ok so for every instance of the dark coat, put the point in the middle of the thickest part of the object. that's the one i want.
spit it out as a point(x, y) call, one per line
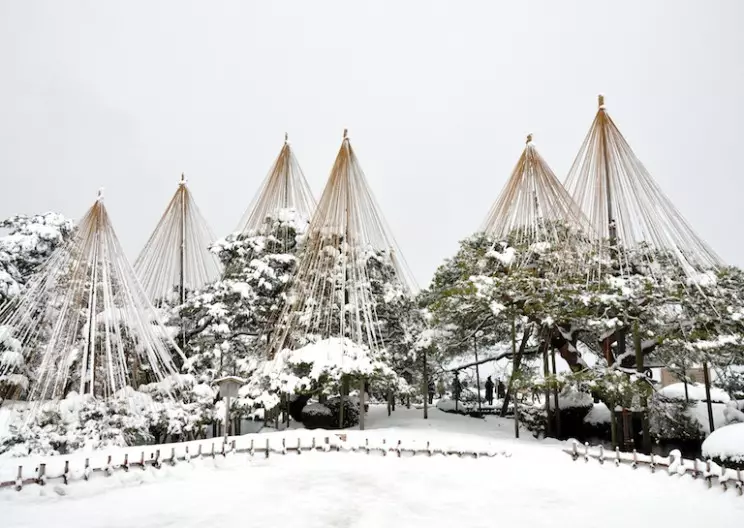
point(489, 390)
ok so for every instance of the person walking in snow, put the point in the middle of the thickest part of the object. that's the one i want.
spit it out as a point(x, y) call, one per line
point(501, 390)
point(431, 389)
point(456, 387)
point(489, 390)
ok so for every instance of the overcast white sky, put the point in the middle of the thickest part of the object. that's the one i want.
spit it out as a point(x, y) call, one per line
point(438, 97)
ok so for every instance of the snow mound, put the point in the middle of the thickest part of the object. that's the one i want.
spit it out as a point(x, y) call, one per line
point(600, 414)
point(695, 391)
point(726, 443)
point(571, 398)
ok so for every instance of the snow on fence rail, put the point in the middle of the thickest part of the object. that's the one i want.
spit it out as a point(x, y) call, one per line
point(68, 468)
point(674, 464)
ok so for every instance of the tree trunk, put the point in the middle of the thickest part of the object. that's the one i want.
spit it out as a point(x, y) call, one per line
point(477, 374)
point(557, 410)
point(361, 404)
point(517, 361)
point(644, 402)
point(344, 383)
point(546, 372)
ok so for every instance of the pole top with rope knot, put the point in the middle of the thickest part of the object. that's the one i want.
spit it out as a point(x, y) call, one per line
point(600, 101)
point(100, 195)
point(286, 137)
point(529, 138)
point(183, 179)
point(346, 133)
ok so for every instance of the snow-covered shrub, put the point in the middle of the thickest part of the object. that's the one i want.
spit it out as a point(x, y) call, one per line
point(695, 392)
point(326, 415)
point(76, 423)
point(726, 446)
point(597, 421)
point(318, 416)
point(672, 419)
point(180, 408)
point(533, 418)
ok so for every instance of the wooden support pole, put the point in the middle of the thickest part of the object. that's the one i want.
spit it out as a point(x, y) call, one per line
point(706, 378)
point(361, 404)
point(516, 366)
point(477, 373)
point(426, 387)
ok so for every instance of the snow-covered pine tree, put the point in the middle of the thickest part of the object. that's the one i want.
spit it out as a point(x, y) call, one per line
point(28, 242)
point(229, 322)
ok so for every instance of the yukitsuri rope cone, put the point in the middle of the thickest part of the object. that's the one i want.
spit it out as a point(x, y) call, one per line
point(626, 207)
point(331, 294)
point(284, 191)
point(533, 204)
point(84, 324)
point(534, 212)
point(176, 259)
point(638, 231)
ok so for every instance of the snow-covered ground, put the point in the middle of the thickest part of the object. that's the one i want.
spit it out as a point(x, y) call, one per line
point(538, 485)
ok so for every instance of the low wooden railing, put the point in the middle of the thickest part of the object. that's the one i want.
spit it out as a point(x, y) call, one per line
point(673, 464)
point(124, 459)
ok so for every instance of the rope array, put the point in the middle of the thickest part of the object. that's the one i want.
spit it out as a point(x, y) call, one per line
point(84, 322)
point(332, 290)
point(284, 188)
point(625, 205)
point(533, 203)
point(176, 259)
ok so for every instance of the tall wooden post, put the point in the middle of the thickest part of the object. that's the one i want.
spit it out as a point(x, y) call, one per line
point(515, 366)
point(426, 386)
point(361, 403)
point(227, 416)
point(477, 373)
point(706, 378)
point(612, 232)
point(182, 255)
